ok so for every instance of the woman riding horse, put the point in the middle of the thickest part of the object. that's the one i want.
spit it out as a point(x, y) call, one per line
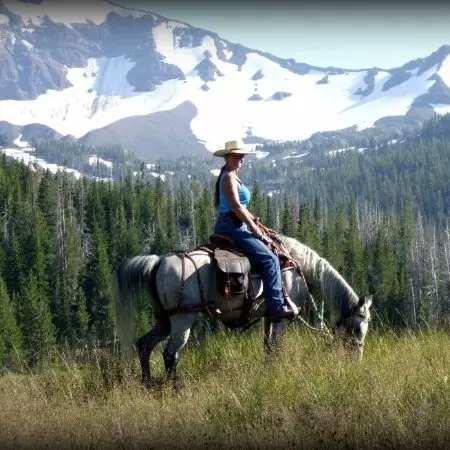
point(164, 277)
point(235, 221)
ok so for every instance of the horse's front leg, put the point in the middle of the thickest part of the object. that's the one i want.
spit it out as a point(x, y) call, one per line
point(273, 336)
point(267, 331)
point(145, 346)
point(180, 329)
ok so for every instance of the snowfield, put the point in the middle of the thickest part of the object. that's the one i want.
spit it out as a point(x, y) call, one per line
point(27, 158)
point(232, 105)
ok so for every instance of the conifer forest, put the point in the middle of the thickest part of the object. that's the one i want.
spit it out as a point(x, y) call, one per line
point(380, 217)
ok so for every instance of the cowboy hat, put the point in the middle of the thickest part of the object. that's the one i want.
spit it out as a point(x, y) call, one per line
point(232, 148)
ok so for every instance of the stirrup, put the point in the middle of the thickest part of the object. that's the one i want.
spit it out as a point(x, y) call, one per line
point(287, 313)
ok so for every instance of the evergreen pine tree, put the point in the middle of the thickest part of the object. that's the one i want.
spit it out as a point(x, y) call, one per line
point(288, 220)
point(10, 335)
point(98, 289)
point(272, 213)
point(354, 254)
point(35, 321)
point(257, 203)
point(205, 216)
point(307, 231)
point(385, 274)
point(403, 259)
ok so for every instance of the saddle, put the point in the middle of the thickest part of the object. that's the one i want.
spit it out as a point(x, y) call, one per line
point(229, 249)
point(234, 273)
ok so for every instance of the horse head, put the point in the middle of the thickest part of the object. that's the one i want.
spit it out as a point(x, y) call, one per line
point(354, 325)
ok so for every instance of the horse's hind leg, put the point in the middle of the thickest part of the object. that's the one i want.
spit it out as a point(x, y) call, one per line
point(147, 343)
point(180, 328)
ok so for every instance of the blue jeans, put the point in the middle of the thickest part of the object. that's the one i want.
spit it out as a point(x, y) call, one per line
point(260, 256)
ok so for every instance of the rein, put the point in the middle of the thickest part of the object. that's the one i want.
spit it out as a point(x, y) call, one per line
point(277, 246)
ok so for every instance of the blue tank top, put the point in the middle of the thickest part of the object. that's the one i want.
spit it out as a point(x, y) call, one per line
point(243, 192)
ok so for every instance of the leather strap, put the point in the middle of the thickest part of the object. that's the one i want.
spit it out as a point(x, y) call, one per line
point(183, 256)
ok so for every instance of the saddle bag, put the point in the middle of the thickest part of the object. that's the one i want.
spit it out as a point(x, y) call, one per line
point(232, 272)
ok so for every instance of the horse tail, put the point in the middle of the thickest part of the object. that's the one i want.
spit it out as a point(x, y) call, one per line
point(130, 277)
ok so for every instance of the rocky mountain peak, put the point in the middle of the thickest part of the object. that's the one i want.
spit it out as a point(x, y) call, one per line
point(89, 72)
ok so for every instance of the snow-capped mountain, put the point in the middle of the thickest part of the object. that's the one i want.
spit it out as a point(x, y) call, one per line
point(105, 74)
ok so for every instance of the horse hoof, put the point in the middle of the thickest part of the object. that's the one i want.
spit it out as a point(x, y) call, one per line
point(147, 385)
point(177, 384)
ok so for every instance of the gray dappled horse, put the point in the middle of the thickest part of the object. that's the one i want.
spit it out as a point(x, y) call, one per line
point(162, 277)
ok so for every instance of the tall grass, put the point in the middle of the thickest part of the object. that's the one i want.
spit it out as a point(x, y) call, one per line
point(312, 395)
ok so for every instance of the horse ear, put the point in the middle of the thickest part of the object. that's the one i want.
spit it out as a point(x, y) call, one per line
point(367, 300)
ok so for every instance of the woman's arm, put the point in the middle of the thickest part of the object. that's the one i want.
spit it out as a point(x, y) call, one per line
point(230, 187)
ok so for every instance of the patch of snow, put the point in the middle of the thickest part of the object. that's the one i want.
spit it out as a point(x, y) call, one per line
point(228, 53)
point(160, 175)
point(296, 156)
point(215, 172)
point(413, 71)
point(186, 58)
point(440, 108)
point(22, 144)
point(444, 71)
point(380, 104)
point(27, 44)
point(4, 20)
point(360, 82)
point(340, 150)
point(19, 155)
point(91, 103)
point(96, 160)
point(12, 38)
point(32, 161)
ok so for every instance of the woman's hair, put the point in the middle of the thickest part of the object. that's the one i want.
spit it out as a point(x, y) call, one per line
point(217, 192)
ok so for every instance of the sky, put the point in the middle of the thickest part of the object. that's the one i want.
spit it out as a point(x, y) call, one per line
point(346, 34)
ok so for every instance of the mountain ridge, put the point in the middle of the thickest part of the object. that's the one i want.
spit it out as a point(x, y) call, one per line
point(135, 63)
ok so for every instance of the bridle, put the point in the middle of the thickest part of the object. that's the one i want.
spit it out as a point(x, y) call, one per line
point(350, 328)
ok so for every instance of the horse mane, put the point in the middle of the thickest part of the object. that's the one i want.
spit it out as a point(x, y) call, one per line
point(321, 275)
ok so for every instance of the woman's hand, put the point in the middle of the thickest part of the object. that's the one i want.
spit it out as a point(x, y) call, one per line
point(257, 232)
point(266, 230)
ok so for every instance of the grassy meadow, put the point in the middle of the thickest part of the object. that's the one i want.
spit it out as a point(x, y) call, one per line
point(313, 395)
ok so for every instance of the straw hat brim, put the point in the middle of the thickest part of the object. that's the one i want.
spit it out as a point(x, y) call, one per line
point(236, 151)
